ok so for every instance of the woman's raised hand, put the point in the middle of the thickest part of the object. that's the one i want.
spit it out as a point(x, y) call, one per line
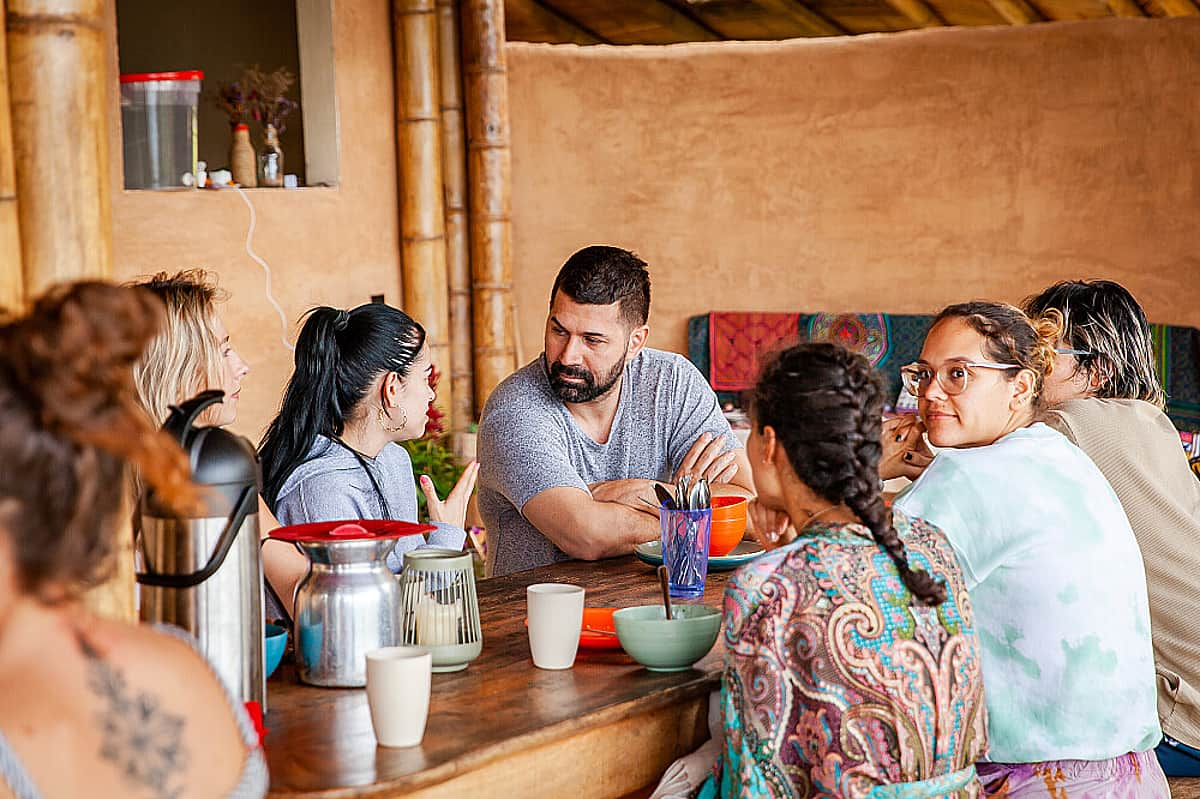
point(452, 510)
point(905, 453)
point(773, 528)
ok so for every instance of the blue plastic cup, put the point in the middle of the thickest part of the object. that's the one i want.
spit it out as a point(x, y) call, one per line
point(685, 549)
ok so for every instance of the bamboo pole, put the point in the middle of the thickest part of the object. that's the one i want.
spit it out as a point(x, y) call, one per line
point(422, 220)
point(919, 12)
point(813, 23)
point(554, 25)
point(1179, 8)
point(1016, 12)
point(1125, 8)
point(454, 180)
point(489, 168)
point(12, 282)
point(58, 78)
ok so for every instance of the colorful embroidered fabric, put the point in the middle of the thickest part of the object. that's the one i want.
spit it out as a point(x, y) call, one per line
point(866, 334)
point(1177, 352)
point(836, 686)
point(904, 335)
point(738, 341)
point(1176, 349)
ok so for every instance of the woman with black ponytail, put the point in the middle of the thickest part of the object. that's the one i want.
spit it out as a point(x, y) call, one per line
point(361, 385)
point(851, 664)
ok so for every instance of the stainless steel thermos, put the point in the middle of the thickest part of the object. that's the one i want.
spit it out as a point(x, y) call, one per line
point(204, 572)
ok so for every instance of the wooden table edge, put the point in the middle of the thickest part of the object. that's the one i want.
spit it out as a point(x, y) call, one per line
point(491, 753)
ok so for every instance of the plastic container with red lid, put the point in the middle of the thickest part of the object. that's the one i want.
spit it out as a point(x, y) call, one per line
point(158, 125)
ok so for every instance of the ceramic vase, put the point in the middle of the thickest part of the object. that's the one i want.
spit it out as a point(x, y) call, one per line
point(242, 162)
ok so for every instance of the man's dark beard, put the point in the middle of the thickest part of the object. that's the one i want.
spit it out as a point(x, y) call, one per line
point(590, 388)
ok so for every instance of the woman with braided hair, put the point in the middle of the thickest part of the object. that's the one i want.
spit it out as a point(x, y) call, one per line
point(851, 665)
point(1054, 570)
point(91, 706)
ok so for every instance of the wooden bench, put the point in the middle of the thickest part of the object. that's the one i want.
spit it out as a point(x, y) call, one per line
point(1184, 787)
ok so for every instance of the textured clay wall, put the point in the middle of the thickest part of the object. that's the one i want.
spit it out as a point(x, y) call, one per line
point(334, 246)
point(898, 172)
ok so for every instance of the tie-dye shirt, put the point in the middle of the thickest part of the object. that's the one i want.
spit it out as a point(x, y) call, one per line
point(1059, 594)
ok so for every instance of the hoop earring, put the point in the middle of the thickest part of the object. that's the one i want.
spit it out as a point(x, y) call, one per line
point(382, 417)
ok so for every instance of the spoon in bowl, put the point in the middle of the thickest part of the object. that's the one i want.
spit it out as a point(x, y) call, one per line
point(666, 590)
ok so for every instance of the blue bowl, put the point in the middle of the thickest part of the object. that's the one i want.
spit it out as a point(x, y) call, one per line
point(273, 646)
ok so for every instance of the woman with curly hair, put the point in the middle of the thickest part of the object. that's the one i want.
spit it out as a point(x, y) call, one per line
point(94, 707)
point(1054, 571)
point(851, 666)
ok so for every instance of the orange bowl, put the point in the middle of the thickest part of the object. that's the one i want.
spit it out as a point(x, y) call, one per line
point(728, 525)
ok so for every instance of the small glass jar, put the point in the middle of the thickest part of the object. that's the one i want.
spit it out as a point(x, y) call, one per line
point(270, 160)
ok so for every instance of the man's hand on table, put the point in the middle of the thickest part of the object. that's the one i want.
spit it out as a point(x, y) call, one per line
point(705, 459)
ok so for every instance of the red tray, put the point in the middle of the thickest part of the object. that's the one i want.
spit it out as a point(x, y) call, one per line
point(326, 532)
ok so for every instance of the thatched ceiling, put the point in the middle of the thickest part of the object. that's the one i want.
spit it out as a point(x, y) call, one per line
point(669, 21)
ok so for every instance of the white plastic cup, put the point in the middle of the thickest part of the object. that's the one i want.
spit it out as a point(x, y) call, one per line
point(555, 621)
point(398, 683)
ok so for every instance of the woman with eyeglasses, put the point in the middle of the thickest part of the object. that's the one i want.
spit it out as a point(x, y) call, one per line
point(1055, 575)
point(1104, 395)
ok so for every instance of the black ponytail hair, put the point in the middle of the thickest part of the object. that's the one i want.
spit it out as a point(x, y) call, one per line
point(825, 405)
point(338, 355)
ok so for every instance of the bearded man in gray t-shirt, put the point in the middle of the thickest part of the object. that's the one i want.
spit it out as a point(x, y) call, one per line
point(570, 446)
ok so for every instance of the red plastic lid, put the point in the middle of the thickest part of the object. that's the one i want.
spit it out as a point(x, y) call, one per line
point(144, 77)
point(350, 530)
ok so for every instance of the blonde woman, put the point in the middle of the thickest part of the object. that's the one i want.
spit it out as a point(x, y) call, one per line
point(193, 353)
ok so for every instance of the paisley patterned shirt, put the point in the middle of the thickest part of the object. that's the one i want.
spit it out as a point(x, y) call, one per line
point(835, 685)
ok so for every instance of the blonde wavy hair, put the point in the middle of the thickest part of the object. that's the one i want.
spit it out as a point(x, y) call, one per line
point(185, 357)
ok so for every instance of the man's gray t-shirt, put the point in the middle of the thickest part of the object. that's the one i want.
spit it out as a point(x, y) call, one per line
point(529, 442)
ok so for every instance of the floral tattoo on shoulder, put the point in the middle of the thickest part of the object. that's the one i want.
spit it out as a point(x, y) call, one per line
point(138, 736)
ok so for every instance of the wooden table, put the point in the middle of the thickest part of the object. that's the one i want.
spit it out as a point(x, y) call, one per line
point(504, 728)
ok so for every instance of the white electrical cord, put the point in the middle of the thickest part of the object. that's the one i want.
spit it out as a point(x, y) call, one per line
point(283, 323)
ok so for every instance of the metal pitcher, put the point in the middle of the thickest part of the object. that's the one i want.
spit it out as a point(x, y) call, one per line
point(347, 605)
point(204, 573)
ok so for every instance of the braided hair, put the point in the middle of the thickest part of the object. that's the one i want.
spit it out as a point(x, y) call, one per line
point(825, 405)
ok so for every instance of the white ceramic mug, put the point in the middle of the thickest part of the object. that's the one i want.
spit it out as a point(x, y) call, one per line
point(555, 621)
point(398, 683)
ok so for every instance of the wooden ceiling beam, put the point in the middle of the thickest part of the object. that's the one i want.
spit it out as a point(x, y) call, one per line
point(683, 26)
point(559, 27)
point(813, 23)
point(1016, 12)
point(920, 14)
point(1125, 8)
point(1179, 8)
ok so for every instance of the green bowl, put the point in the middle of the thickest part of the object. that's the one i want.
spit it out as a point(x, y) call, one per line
point(662, 645)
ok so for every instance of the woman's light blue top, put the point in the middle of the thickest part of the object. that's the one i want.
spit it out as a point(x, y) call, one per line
point(1059, 594)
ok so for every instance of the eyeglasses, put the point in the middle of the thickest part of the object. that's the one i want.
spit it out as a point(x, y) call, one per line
point(952, 377)
point(1069, 351)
